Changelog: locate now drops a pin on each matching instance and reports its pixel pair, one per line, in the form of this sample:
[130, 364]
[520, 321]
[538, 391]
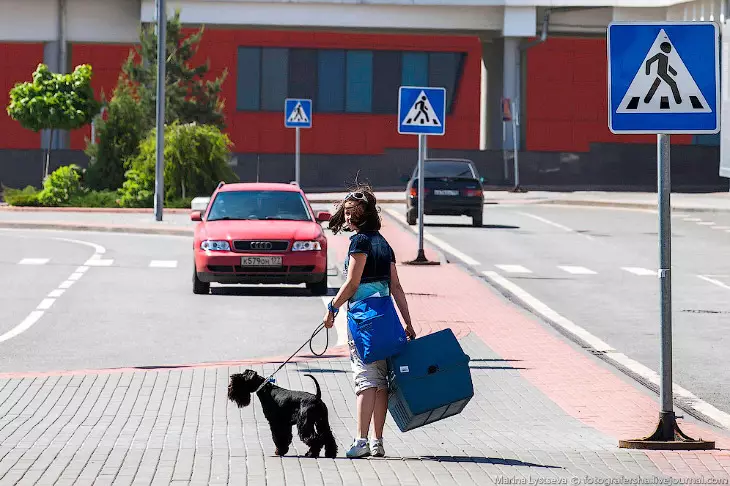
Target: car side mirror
[405, 179]
[481, 179]
[323, 216]
[196, 216]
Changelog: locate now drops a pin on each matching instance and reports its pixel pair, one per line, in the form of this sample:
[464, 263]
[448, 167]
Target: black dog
[284, 408]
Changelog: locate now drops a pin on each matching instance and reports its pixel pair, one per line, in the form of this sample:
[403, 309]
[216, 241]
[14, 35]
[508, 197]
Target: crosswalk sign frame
[407, 99]
[290, 105]
[698, 47]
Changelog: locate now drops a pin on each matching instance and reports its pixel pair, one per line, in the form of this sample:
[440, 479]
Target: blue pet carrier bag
[429, 381]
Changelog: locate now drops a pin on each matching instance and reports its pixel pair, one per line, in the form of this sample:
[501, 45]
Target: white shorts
[372, 375]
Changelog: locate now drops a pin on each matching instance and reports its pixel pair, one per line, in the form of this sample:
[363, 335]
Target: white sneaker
[359, 448]
[376, 448]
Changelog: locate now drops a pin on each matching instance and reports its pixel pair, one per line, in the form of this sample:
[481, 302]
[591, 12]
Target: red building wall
[17, 63]
[567, 97]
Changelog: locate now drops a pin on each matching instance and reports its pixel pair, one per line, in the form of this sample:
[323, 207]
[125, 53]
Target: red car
[259, 233]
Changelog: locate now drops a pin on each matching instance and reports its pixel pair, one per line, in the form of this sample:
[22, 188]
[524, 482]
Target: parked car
[452, 187]
[259, 233]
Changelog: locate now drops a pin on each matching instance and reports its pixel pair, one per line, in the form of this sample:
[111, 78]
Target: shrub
[21, 197]
[94, 199]
[196, 160]
[61, 186]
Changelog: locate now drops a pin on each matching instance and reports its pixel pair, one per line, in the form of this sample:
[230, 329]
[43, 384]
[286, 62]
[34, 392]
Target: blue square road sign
[297, 113]
[421, 110]
[663, 77]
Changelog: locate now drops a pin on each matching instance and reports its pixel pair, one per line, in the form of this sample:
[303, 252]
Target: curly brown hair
[367, 215]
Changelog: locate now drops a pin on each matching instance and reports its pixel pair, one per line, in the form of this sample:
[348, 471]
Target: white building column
[519, 23]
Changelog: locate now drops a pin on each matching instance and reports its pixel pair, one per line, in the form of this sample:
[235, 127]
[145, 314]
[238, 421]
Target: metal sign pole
[160, 122]
[421, 189]
[665, 276]
[296, 159]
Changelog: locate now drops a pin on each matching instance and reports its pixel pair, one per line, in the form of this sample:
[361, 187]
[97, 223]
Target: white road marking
[340, 322]
[513, 268]
[46, 304]
[557, 225]
[577, 270]
[713, 281]
[692, 219]
[706, 223]
[437, 241]
[33, 261]
[96, 261]
[640, 271]
[721, 227]
[611, 354]
[163, 264]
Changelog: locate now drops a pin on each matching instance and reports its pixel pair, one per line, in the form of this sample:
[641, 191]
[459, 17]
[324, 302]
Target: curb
[68, 209]
[149, 230]
[442, 256]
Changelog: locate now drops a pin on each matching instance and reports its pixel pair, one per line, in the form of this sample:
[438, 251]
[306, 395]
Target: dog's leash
[316, 331]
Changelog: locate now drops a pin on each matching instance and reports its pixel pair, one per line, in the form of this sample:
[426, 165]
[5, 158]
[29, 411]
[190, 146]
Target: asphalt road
[122, 310]
[608, 282]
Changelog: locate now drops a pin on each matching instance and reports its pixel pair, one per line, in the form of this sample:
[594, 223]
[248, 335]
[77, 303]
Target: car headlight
[306, 246]
[215, 245]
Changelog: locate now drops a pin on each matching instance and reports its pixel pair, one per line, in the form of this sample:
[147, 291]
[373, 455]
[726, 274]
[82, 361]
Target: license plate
[253, 261]
[445, 192]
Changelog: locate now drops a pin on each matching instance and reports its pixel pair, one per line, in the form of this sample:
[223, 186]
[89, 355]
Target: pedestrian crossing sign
[297, 113]
[421, 110]
[663, 77]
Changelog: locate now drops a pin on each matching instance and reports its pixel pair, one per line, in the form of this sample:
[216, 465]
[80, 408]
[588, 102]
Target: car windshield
[448, 169]
[259, 205]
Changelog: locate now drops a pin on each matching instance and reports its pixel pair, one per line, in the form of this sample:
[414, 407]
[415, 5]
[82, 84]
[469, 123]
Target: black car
[453, 187]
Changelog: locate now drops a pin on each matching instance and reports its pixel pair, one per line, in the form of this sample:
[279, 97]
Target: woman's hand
[410, 332]
[329, 319]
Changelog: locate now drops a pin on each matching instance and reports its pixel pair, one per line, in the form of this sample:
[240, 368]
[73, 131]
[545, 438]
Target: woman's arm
[400, 299]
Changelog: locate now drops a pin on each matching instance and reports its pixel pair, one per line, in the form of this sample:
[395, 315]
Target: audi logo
[261, 245]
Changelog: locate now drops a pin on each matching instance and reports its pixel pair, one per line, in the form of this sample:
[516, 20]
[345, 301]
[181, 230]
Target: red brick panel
[17, 63]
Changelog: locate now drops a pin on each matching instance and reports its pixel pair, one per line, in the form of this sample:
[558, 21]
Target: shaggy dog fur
[284, 408]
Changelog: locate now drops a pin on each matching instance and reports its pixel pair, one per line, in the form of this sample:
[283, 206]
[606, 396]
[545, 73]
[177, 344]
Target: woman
[370, 270]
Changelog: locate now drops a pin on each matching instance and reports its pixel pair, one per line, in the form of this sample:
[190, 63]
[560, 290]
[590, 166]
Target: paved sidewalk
[544, 410]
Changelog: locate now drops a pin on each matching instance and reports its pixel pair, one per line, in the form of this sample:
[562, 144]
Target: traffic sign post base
[668, 436]
[421, 260]
[518, 189]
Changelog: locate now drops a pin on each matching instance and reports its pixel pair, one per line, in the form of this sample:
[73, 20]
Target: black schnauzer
[284, 408]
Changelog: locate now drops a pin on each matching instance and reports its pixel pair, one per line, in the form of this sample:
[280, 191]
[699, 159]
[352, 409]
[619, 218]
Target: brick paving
[543, 410]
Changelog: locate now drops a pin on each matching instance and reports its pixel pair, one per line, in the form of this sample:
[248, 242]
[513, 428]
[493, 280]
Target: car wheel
[319, 288]
[411, 217]
[199, 287]
[476, 219]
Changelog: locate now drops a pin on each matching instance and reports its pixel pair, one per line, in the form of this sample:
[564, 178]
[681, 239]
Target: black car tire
[319, 288]
[476, 219]
[411, 217]
[199, 287]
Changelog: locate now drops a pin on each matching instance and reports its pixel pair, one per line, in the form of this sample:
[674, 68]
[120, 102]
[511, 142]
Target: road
[84, 300]
[597, 267]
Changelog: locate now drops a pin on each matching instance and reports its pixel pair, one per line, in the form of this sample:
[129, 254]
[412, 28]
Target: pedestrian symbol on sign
[298, 115]
[663, 65]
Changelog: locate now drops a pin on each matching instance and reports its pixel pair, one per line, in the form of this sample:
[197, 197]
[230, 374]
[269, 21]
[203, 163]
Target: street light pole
[160, 118]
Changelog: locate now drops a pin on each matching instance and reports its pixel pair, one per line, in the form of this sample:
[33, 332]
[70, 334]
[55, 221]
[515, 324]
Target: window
[274, 78]
[444, 69]
[415, 69]
[248, 86]
[386, 81]
[359, 82]
[302, 73]
[331, 78]
[339, 80]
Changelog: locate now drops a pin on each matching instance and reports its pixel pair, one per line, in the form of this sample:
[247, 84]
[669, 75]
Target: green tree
[119, 138]
[54, 101]
[189, 97]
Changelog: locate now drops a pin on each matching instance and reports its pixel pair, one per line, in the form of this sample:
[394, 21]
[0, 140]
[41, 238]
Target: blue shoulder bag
[375, 328]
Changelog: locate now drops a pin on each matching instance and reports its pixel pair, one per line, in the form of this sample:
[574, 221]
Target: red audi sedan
[261, 234]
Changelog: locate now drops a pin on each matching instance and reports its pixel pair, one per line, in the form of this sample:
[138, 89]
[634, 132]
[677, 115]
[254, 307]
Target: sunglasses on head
[358, 196]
